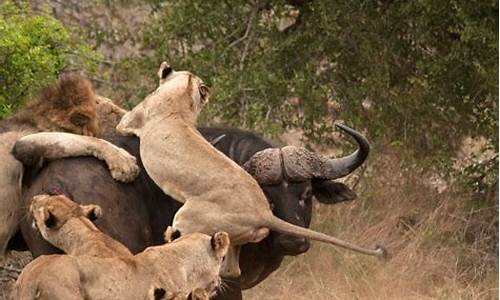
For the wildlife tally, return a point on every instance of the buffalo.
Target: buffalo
(138, 213)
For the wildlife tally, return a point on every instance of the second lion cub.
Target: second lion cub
(67, 225)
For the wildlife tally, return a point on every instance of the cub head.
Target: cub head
(51, 213)
(179, 94)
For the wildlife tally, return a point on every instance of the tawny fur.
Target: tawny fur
(52, 126)
(52, 108)
(109, 115)
(190, 262)
(68, 226)
(216, 192)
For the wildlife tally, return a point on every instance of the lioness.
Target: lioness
(67, 225)
(190, 262)
(68, 107)
(192, 171)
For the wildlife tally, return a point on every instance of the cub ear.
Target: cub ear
(159, 294)
(220, 243)
(49, 220)
(331, 192)
(92, 211)
(171, 235)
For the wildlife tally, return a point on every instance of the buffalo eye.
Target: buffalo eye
(307, 194)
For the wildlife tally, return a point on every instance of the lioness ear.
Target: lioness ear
(164, 71)
(204, 94)
(92, 211)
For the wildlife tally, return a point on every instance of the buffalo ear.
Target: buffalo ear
(331, 192)
(92, 211)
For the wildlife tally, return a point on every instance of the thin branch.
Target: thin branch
(247, 30)
(247, 34)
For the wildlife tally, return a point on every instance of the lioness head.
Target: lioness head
(50, 213)
(205, 254)
(179, 94)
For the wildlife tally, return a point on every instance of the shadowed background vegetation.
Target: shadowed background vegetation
(419, 78)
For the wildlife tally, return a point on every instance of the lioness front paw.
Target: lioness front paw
(123, 166)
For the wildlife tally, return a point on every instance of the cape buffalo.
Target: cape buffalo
(138, 213)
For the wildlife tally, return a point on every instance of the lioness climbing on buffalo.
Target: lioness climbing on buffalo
(67, 225)
(216, 192)
(59, 122)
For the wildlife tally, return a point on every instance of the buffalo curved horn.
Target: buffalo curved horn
(340, 167)
(301, 164)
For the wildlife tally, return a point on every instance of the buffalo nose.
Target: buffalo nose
(293, 245)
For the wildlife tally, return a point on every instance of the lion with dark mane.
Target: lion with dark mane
(61, 121)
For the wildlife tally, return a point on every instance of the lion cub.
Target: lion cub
(192, 261)
(67, 225)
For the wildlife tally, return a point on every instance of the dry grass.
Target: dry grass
(441, 247)
(11, 270)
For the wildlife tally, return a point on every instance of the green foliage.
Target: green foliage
(34, 49)
(419, 75)
(428, 70)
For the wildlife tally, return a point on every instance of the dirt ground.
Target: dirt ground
(11, 270)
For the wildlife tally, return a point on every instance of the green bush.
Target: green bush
(34, 49)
